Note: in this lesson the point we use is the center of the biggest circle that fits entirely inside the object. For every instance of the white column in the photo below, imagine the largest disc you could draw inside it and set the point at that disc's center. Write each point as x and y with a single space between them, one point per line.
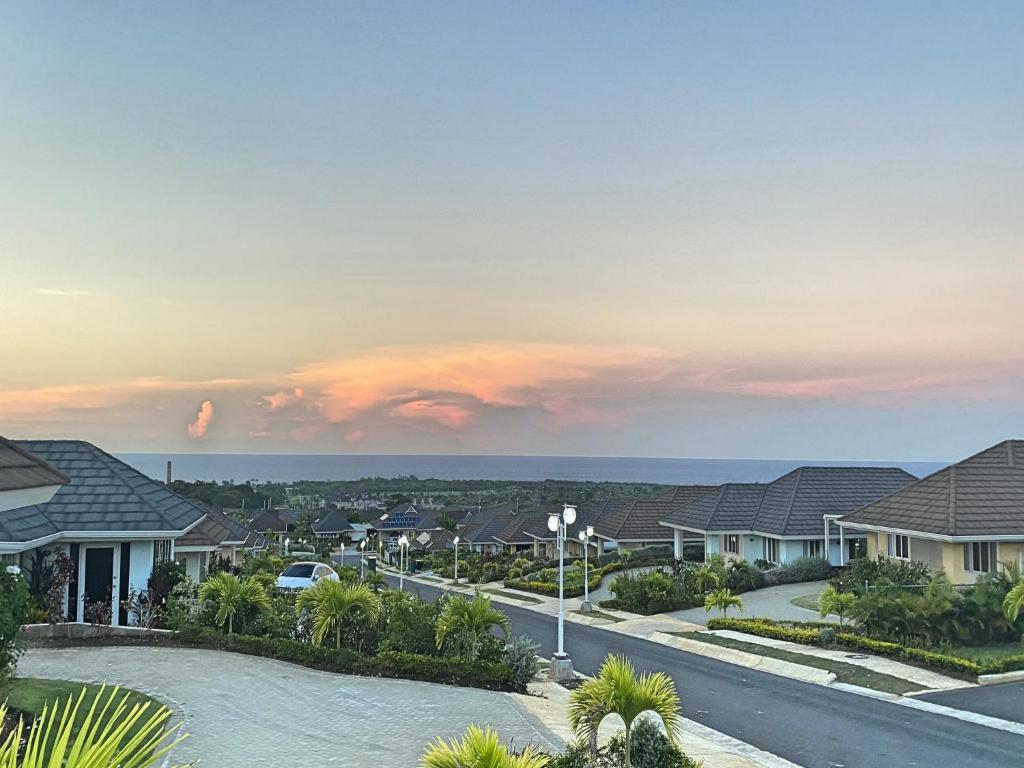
842 545
705 547
828 555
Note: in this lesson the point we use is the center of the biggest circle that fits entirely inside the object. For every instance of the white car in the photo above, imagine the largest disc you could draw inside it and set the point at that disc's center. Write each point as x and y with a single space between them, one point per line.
305 574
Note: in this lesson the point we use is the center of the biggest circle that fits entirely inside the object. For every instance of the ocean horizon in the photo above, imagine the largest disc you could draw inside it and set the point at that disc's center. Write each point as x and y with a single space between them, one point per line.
664 471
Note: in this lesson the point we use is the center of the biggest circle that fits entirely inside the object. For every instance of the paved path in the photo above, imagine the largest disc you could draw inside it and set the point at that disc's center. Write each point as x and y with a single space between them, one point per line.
243 710
810 725
769 603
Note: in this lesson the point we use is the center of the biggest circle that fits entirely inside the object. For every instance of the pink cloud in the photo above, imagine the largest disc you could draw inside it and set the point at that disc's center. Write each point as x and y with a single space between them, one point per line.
197 429
448 415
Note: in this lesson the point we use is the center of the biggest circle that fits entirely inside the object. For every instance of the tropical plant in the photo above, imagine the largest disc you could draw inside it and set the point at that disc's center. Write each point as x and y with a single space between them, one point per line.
14 604
521 659
60 576
110 733
710 575
743 576
407 623
331 603
231 594
649 748
835 602
617 690
723 600
479 749
1014 601
467 625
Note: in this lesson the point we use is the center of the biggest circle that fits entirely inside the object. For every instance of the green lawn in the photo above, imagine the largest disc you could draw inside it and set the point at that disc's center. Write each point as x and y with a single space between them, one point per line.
30 694
986 653
845 673
810 602
513 596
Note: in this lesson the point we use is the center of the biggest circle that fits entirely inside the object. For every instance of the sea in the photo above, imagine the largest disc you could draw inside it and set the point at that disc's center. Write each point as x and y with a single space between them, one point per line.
238 467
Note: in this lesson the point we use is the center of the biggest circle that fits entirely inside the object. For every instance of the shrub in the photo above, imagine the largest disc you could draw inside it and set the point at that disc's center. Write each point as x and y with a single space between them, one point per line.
576 755
13 613
650 748
651 592
521 659
862 571
801 569
408 623
826 637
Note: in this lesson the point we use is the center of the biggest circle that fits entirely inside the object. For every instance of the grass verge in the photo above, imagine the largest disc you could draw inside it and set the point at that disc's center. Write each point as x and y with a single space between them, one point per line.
988 653
851 674
513 596
810 602
599 615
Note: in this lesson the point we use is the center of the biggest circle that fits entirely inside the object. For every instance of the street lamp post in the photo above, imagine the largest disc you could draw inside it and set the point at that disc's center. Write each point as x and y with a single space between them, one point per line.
585 539
561 665
343 554
455 542
403 546
362 559
286 543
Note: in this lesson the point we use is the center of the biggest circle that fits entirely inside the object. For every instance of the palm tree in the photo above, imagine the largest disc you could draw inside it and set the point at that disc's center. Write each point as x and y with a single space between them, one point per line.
723 600
834 601
480 749
707 577
617 690
468 624
1014 601
331 602
231 594
62 736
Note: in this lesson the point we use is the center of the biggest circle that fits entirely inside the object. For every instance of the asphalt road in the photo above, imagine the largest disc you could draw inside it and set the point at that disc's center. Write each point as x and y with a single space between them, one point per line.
1002 701
811 725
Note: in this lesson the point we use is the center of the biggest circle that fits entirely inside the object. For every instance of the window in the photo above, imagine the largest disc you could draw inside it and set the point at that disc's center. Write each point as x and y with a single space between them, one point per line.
980 557
161 550
732 544
771 550
814 548
899 546
299 570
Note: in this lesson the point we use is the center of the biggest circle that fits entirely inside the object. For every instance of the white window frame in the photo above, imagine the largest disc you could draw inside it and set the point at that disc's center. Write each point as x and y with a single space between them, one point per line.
731 539
814 548
895 540
981 550
769 545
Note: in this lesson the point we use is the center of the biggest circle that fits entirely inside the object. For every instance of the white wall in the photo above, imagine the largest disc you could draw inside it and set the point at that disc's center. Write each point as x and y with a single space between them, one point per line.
140 567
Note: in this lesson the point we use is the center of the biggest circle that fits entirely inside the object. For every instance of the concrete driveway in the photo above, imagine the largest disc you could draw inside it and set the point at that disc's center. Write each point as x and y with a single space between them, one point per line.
243 710
768 603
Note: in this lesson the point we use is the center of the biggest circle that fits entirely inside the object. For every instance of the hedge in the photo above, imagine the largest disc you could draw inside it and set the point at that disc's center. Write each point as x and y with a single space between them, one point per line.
526 584
391 664
809 636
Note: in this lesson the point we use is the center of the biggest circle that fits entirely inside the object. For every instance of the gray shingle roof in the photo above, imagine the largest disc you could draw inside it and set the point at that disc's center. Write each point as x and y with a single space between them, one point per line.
20 469
103 494
335 521
982 495
730 507
793 505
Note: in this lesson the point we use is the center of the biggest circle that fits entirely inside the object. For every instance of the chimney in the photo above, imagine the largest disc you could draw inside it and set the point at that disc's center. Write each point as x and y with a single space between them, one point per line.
168 472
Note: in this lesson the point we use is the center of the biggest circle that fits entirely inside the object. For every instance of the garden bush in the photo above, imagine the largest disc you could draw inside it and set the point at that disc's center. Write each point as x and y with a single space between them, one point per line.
651 748
652 592
521 659
408 623
14 606
801 569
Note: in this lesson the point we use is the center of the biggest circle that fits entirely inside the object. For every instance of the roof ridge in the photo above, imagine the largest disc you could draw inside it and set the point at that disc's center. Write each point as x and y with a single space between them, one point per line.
952 500
789 505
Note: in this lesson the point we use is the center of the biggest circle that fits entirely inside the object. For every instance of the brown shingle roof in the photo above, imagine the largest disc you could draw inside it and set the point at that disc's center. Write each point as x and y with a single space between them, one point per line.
639 519
983 495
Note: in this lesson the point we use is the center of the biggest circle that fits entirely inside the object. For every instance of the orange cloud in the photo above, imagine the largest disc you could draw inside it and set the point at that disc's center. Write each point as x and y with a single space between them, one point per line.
446 414
197 429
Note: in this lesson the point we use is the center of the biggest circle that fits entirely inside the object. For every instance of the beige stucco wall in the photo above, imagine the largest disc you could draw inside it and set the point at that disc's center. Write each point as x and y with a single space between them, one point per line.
945 556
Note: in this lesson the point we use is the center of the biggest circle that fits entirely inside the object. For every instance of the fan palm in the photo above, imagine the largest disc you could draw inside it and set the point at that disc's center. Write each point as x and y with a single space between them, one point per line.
468 624
479 749
231 594
723 600
331 602
834 601
111 733
617 690
1014 601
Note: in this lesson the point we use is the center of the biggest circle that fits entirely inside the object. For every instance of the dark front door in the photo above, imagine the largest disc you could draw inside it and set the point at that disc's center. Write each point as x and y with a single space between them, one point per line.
99 576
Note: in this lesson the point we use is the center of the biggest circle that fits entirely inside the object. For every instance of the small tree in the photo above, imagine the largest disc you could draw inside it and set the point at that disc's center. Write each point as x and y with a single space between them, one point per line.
833 601
13 613
231 594
331 602
467 624
617 690
723 600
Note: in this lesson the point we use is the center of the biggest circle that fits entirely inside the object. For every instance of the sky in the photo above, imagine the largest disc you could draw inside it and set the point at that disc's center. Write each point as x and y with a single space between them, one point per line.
744 229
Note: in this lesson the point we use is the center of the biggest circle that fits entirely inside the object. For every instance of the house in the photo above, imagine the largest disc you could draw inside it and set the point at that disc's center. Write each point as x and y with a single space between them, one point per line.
964 520
521 530
635 524
334 525
216 535
110 519
788 518
479 529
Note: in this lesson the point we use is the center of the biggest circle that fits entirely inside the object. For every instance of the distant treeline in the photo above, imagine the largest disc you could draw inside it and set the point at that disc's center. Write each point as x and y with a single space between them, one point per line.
398 489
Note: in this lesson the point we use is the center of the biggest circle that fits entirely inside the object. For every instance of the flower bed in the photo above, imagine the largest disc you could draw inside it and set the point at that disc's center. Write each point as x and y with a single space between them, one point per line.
811 635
